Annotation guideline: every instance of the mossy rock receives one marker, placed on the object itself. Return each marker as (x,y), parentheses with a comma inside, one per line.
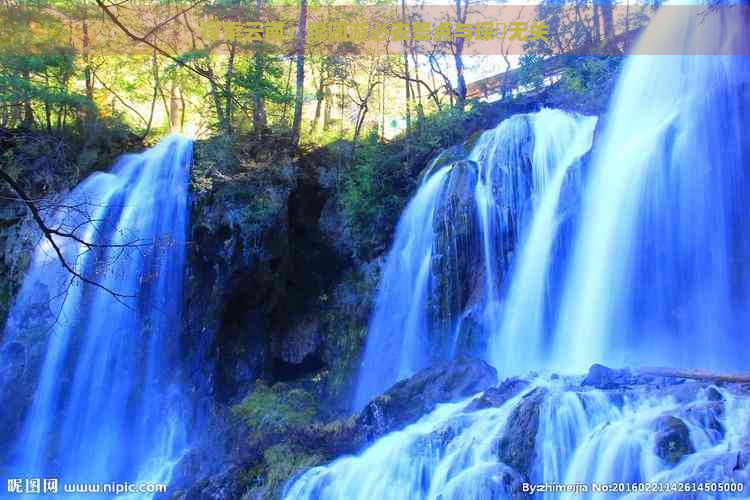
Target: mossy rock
(276,407)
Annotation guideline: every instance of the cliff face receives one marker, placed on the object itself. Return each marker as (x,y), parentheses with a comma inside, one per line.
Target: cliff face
(272,291)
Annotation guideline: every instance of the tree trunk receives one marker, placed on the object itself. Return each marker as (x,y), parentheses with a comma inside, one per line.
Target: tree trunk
(360,121)
(458,58)
(259,109)
(597,25)
(300,92)
(327,109)
(420,107)
(319,96)
(28,112)
(88,76)
(609,22)
(228,86)
(174,107)
(741,378)
(406,79)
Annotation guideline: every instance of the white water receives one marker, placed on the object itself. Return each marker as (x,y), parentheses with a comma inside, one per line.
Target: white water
(108,405)
(658,275)
(659,271)
(584,437)
(559,142)
(513,171)
(402,300)
(448,450)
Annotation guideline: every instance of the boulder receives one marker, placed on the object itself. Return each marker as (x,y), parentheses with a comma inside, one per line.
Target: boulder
(517,446)
(410,399)
(672,439)
(457,255)
(495,397)
(405,403)
(603,377)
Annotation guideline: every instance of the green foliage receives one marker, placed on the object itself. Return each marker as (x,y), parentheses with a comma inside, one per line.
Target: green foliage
(584,75)
(276,407)
(282,461)
(531,71)
(381,177)
(374,191)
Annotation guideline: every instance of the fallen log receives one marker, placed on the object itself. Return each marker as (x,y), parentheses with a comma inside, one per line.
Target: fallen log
(737,378)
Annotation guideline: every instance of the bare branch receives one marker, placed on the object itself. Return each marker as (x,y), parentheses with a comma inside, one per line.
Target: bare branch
(49,234)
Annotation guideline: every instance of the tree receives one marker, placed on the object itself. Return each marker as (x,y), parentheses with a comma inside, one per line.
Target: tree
(300,56)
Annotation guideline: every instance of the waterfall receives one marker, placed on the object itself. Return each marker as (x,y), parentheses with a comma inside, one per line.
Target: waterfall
(442,286)
(401,305)
(659,272)
(560,141)
(582,436)
(107,405)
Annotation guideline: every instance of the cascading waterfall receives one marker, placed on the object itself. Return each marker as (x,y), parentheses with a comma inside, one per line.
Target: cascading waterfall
(468,215)
(402,301)
(659,272)
(584,436)
(108,403)
(560,141)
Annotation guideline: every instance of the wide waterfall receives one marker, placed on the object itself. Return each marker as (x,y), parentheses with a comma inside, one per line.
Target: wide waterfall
(456,235)
(108,404)
(659,272)
(656,272)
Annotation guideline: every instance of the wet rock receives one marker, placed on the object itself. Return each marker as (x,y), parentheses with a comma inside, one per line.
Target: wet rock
(335,228)
(602,377)
(672,439)
(414,397)
(457,255)
(708,415)
(300,341)
(713,394)
(496,396)
(230,483)
(485,481)
(516,448)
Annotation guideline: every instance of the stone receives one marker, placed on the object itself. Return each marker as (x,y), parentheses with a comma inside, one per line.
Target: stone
(303,339)
(408,400)
(516,447)
(603,377)
(672,439)
(495,397)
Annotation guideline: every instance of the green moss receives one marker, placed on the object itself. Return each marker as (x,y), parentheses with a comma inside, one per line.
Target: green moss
(276,406)
(282,461)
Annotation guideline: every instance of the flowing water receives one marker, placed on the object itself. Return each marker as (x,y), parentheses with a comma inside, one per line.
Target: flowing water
(659,271)
(656,273)
(108,404)
(514,170)
(584,437)
(560,141)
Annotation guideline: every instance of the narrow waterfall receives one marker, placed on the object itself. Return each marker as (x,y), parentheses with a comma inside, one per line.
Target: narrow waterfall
(402,300)
(108,404)
(659,272)
(442,287)
(560,141)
